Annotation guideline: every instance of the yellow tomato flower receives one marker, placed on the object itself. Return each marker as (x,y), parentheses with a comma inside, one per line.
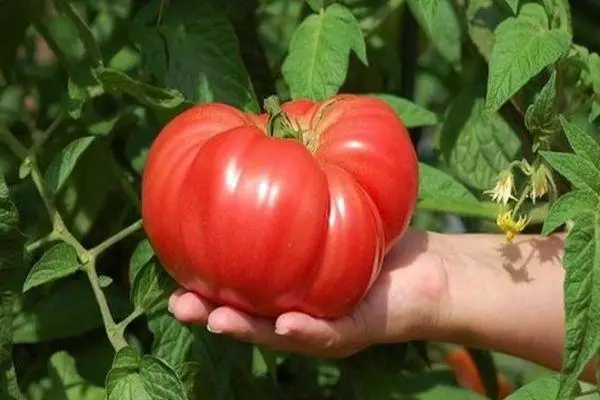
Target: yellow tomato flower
(540,182)
(510,226)
(503,190)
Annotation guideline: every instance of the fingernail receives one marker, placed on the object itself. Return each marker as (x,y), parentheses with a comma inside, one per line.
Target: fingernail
(170,306)
(281,331)
(212,330)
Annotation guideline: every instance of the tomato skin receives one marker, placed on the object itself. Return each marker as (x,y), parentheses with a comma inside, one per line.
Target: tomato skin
(270,225)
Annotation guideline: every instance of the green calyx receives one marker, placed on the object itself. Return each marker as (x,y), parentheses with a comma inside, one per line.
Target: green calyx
(279,124)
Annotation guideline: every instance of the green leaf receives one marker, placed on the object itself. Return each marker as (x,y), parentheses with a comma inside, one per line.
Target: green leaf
(173,341)
(177,343)
(568,206)
(483,16)
(58,262)
(513,4)
(151,287)
(543,388)
(511,66)
(64,163)
(195,50)
(427,10)
(117,82)
(540,117)
(42,316)
(581,172)
(317,62)
(582,300)
(433,182)
(442,27)
(142,255)
(82,86)
(476,144)
(11,268)
(581,142)
(83,30)
(413,115)
(65,381)
(142,378)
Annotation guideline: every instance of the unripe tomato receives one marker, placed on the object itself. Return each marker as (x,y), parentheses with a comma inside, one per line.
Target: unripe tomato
(290,210)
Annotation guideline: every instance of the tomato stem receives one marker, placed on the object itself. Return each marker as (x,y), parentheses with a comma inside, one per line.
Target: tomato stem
(280,124)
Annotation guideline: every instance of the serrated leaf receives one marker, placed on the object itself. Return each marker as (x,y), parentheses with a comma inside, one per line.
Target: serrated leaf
(540,117)
(433,181)
(317,62)
(142,254)
(568,206)
(151,287)
(413,115)
(581,172)
(582,300)
(177,343)
(543,388)
(58,262)
(581,142)
(117,82)
(142,378)
(512,66)
(195,51)
(477,144)
(64,163)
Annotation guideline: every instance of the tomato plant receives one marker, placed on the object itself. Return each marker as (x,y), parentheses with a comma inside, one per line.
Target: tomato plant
(139,153)
(269,213)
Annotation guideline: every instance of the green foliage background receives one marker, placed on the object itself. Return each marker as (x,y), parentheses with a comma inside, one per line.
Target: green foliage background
(86,85)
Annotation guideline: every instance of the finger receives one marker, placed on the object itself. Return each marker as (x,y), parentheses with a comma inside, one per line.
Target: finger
(330,337)
(247,328)
(188,307)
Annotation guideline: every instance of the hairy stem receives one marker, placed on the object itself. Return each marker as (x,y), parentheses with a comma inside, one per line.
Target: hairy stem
(114,336)
(60,231)
(116,238)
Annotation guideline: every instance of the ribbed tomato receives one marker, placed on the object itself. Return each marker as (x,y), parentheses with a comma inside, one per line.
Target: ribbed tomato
(290,210)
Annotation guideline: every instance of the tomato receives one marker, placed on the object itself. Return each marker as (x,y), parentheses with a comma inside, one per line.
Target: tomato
(288,210)
(468,376)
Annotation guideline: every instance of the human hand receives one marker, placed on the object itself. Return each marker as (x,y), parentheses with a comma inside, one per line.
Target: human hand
(402,305)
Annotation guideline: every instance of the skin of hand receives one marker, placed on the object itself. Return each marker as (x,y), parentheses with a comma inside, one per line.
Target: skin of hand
(469,289)
(402,305)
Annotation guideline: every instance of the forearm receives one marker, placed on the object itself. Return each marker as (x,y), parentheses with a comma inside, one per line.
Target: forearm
(507,298)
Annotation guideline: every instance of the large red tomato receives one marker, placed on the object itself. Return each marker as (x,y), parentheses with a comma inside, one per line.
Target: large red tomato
(246,216)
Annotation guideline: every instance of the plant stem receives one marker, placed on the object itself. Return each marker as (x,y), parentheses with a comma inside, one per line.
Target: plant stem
(60,231)
(13,144)
(47,133)
(51,237)
(116,339)
(121,326)
(99,249)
